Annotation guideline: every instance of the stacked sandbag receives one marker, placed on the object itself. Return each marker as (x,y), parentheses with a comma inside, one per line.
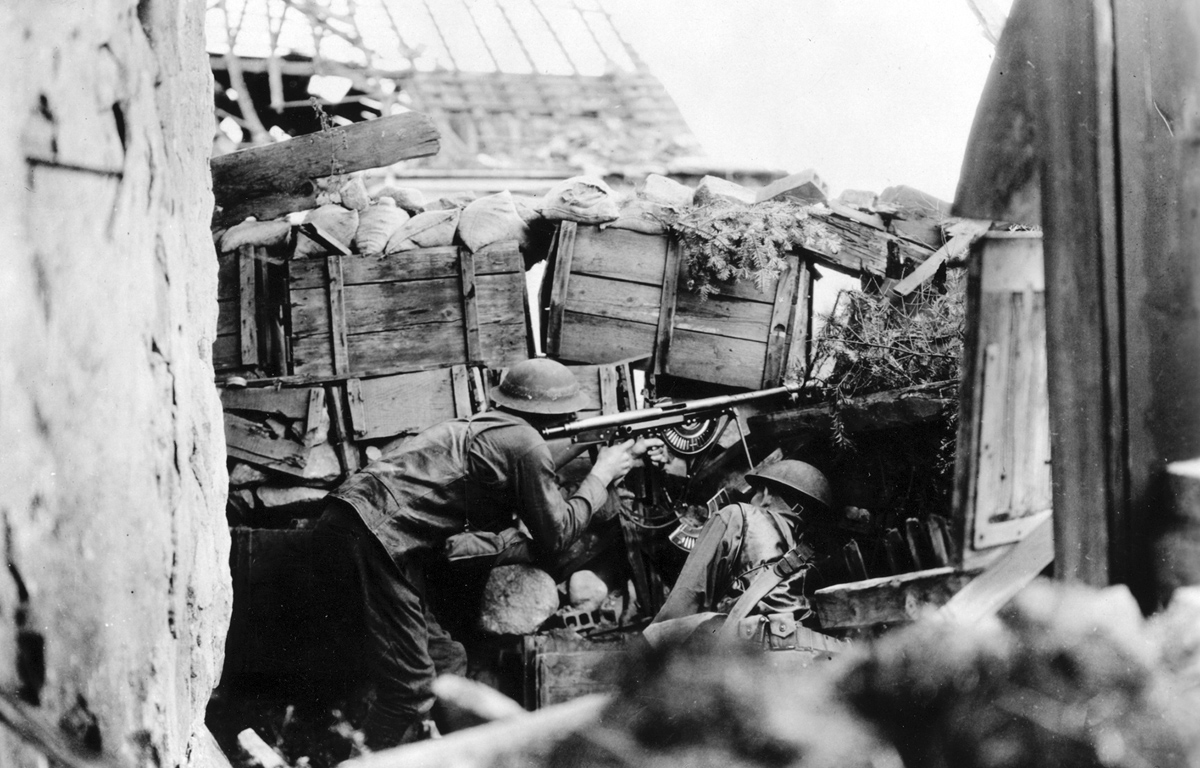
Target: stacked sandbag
(335,221)
(377,224)
(491,219)
(425,230)
(583,199)
(265,234)
(411,201)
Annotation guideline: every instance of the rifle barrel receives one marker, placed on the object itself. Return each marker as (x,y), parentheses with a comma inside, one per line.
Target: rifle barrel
(683,407)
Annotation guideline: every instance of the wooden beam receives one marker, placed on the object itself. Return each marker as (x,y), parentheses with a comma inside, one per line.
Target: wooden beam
(275,179)
(863,243)
(1004,578)
(955,249)
(882,410)
(888,599)
(1071,128)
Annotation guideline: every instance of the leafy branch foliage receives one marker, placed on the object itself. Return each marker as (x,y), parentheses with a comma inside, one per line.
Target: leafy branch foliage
(724,241)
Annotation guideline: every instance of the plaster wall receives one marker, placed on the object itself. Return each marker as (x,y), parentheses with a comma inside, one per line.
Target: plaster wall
(115,601)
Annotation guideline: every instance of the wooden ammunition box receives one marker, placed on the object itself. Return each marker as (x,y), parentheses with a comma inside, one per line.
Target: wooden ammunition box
(616,294)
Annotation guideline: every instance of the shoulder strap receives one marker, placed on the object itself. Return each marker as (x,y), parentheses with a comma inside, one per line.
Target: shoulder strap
(766,580)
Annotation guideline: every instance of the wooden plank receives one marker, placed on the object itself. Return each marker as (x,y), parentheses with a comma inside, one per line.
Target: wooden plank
(1004,578)
(863,248)
(1151,283)
(470,305)
(955,249)
(608,389)
(337,315)
(564,260)
(618,254)
(460,385)
(405,266)
(268,446)
(665,330)
(887,600)
(611,298)
(407,403)
(248,305)
(881,410)
(717,359)
(356,409)
(1012,473)
(291,403)
(316,420)
(801,324)
(413,348)
(591,339)
(282,172)
(390,306)
(783,313)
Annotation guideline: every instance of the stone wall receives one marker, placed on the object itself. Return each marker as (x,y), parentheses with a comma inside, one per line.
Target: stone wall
(115,601)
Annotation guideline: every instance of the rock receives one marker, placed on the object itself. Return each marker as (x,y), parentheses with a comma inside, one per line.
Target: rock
(354,194)
(858,198)
(517,599)
(804,187)
(244,474)
(664,191)
(712,189)
(586,591)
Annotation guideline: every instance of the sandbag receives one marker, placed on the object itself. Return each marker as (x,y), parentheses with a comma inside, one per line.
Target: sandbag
(712,189)
(251,232)
(407,198)
(642,216)
(338,222)
(376,225)
(490,220)
(447,202)
(425,230)
(660,189)
(585,199)
(353,194)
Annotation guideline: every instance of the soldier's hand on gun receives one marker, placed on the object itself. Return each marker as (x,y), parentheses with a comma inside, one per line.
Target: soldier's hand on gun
(614,461)
(652,448)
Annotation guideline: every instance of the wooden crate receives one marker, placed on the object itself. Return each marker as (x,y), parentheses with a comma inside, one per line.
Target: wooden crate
(355,314)
(617,294)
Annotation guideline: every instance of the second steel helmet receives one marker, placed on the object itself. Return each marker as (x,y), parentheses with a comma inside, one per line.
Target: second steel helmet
(796,478)
(541,386)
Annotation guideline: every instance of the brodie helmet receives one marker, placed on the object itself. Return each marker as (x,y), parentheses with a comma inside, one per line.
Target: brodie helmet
(540,386)
(794,477)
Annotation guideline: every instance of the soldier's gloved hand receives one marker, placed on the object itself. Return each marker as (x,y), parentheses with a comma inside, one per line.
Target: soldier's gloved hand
(614,462)
(652,448)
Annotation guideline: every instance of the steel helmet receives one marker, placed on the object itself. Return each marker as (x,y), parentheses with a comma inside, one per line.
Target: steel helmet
(541,386)
(794,477)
